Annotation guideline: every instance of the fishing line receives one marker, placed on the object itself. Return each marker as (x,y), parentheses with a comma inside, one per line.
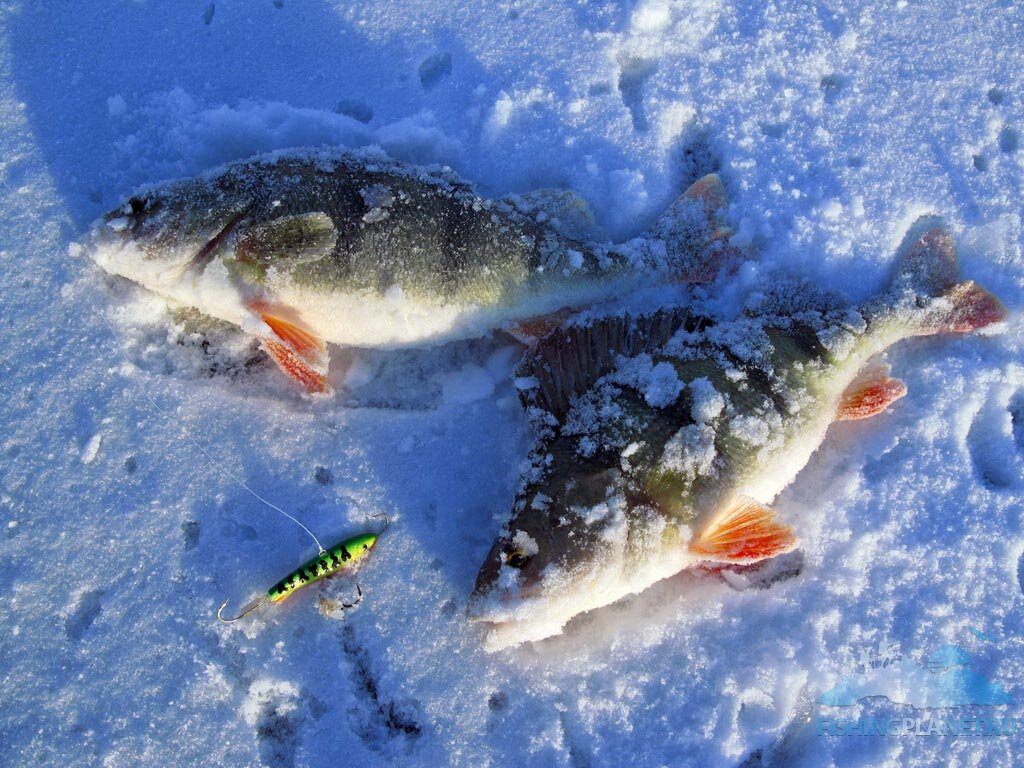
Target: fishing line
(222,467)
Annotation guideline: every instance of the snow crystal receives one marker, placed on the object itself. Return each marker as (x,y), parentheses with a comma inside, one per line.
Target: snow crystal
(658,382)
(92,448)
(525,543)
(708,403)
(467,385)
(690,452)
(116,105)
(752,430)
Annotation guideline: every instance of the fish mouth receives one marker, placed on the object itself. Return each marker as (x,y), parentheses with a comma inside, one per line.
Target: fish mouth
(507,623)
(499,635)
(115,249)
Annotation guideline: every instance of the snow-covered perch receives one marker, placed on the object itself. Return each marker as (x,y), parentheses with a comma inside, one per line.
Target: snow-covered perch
(313,247)
(664,438)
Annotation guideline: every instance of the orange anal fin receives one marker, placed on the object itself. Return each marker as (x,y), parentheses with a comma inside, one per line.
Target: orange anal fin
(869,398)
(744,532)
(300,354)
(532,329)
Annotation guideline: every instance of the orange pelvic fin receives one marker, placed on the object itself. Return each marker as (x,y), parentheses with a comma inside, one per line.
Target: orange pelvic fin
(870,394)
(299,353)
(744,532)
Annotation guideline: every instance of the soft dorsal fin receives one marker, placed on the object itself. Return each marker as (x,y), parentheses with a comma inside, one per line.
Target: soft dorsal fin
(926,260)
(744,532)
(692,229)
(298,239)
(710,193)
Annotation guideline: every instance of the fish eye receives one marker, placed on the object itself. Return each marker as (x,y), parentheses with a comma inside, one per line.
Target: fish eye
(517,558)
(137,206)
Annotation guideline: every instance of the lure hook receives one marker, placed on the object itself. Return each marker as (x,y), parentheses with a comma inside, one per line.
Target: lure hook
(249,607)
(387,521)
(357,601)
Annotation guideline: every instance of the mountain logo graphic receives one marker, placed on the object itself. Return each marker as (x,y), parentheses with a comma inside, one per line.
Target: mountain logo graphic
(945,680)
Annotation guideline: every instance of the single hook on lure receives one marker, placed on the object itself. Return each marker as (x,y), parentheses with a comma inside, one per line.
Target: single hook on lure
(341,556)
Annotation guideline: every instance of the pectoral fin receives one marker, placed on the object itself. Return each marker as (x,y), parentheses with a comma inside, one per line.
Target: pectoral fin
(744,532)
(301,354)
(297,239)
(870,394)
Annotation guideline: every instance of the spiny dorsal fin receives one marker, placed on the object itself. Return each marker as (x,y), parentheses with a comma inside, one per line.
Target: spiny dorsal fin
(570,360)
(299,239)
(744,532)
(567,210)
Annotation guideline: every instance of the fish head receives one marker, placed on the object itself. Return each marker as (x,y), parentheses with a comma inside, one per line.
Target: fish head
(159,233)
(556,559)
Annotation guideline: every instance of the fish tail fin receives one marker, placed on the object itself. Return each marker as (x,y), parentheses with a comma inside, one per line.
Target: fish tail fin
(744,532)
(926,280)
(692,230)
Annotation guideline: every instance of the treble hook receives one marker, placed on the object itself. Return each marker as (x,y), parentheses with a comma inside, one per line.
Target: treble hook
(357,601)
(387,521)
(251,606)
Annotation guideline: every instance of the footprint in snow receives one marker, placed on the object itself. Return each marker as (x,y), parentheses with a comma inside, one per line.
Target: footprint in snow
(634,71)
(1009,140)
(84,612)
(277,719)
(434,69)
(357,110)
(995,440)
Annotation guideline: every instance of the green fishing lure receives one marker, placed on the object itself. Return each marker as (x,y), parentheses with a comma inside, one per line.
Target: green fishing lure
(337,558)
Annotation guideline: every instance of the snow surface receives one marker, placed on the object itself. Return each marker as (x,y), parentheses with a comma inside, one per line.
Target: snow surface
(833,125)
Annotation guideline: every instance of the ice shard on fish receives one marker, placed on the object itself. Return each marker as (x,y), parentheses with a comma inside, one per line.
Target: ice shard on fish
(308,248)
(664,438)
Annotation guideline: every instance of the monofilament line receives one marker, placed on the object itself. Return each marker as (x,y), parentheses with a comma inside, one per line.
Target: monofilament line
(222,467)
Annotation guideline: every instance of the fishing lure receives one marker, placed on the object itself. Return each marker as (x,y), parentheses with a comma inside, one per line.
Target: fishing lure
(337,558)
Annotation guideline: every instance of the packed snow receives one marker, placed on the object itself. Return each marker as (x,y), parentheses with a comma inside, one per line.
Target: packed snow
(833,126)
